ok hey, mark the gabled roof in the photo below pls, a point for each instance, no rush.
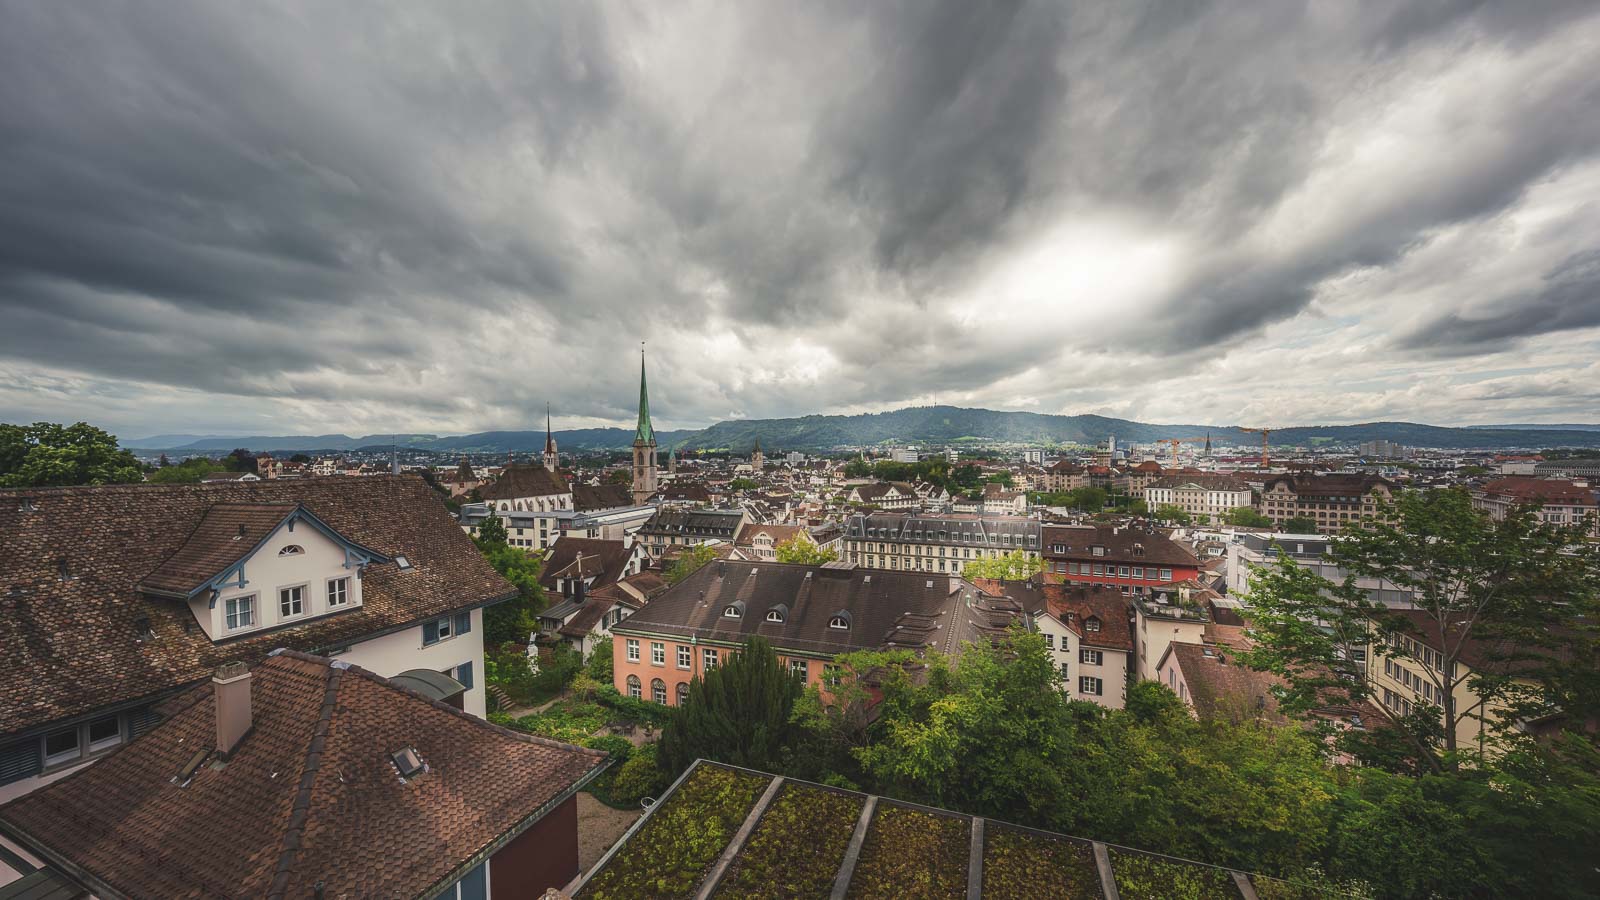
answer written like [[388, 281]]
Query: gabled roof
[[590, 498], [605, 561], [309, 795], [778, 534], [524, 481], [1072, 605], [228, 534], [1122, 543], [72, 645]]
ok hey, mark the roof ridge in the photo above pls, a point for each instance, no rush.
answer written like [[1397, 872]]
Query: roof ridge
[[293, 834]]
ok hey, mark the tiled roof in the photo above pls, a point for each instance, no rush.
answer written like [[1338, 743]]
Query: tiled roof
[[1122, 544], [695, 522], [577, 557], [524, 481], [886, 608], [227, 533], [1205, 482], [1329, 485], [778, 533], [1072, 604], [309, 795], [73, 645], [1220, 687], [590, 498], [1541, 490]]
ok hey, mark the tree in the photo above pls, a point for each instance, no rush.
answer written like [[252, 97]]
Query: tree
[[689, 562], [1001, 478], [1087, 499], [599, 664], [620, 476], [46, 454], [1166, 512], [743, 484], [1520, 587], [1247, 517], [299, 458], [1300, 525], [1014, 566], [737, 713], [189, 471], [240, 460], [515, 619], [804, 551]]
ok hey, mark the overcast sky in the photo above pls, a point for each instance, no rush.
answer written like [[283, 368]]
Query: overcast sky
[[286, 218]]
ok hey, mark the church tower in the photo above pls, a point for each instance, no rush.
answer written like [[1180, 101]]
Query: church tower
[[552, 460], [757, 458], [644, 444]]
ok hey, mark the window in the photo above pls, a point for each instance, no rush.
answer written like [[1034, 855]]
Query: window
[[658, 691], [634, 690], [463, 674], [1089, 657], [1089, 685], [291, 601], [292, 550], [241, 612], [1122, 571], [798, 667], [1091, 624], [838, 622], [1050, 641], [338, 591], [103, 733], [1063, 671], [633, 650], [683, 693], [1099, 569], [774, 615], [1166, 574], [732, 612], [658, 653], [709, 658], [61, 746], [685, 657], [830, 675], [1138, 571], [1099, 551]]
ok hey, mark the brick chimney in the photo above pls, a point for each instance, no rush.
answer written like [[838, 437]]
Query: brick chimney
[[230, 687]]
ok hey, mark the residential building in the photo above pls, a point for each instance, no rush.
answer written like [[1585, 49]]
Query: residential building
[[117, 597], [1561, 501], [1088, 631], [935, 543], [578, 564], [1135, 560], [760, 542], [886, 495], [809, 614], [1248, 551], [462, 480], [1381, 449], [311, 777], [1064, 475], [671, 529], [1331, 501], [1206, 498], [1162, 620], [592, 511]]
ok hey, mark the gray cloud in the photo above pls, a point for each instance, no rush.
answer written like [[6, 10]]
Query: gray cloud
[[429, 217]]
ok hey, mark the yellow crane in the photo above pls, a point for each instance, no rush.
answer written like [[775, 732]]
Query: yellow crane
[[1174, 442], [1264, 432]]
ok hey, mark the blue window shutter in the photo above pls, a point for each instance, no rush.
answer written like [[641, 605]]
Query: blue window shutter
[[430, 632], [464, 675], [463, 622]]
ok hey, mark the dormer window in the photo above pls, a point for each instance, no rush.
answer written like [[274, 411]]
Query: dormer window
[[734, 610], [241, 612], [774, 615], [1091, 624], [840, 620], [292, 550], [1099, 551]]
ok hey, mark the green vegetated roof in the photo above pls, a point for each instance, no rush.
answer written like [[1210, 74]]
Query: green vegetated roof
[[799, 839]]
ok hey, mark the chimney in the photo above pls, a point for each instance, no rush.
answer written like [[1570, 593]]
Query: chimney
[[230, 687]]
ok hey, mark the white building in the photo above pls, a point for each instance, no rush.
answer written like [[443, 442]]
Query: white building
[[1206, 498]]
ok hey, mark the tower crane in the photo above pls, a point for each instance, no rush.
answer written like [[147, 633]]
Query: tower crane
[[1174, 442], [1264, 432]]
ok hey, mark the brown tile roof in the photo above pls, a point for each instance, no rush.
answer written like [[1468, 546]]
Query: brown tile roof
[[524, 481], [1541, 490], [1121, 543], [1072, 605], [73, 646], [778, 533], [1219, 687], [1330, 485], [606, 561], [227, 533], [309, 795], [885, 608], [590, 497]]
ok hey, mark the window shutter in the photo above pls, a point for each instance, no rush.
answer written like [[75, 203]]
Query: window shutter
[[142, 720], [463, 622], [464, 675], [20, 760], [430, 632]]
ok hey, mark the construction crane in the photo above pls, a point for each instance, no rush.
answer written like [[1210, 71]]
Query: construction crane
[[1264, 432], [1175, 442]]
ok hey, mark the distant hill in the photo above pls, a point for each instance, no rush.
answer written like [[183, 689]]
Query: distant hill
[[1537, 427], [925, 425], [941, 425]]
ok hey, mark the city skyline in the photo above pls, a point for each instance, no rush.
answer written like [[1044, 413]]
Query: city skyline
[[280, 219]]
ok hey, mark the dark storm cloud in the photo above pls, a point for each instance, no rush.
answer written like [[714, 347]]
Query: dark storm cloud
[[382, 210]]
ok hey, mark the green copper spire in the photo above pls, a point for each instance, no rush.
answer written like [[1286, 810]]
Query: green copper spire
[[644, 434]]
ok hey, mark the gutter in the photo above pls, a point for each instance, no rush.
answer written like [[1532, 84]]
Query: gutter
[[77, 873]]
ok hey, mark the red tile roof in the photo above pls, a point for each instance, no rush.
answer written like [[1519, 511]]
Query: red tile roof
[[309, 795], [1541, 490], [73, 645]]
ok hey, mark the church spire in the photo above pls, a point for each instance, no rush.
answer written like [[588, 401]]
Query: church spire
[[644, 434], [551, 460]]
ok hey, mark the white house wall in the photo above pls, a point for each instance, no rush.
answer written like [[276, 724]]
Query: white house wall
[[401, 651]]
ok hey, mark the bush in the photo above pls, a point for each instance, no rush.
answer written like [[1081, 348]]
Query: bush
[[632, 709], [599, 665], [639, 777], [567, 721], [619, 747]]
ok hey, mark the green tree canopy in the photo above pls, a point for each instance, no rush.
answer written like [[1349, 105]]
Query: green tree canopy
[[1300, 525], [189, 471], [515, 619], [1166, 512], [737, 712], [45, 454], [804, 551], [689, 561], [1247, 517], [1014, 566]]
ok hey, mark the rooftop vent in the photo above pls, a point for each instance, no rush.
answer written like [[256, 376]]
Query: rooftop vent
[[408, 762], [240, 535], [64, 569], [142, 630], [402, 562], [26, 504]]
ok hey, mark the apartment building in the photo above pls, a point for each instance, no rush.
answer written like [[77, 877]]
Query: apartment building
[[1134, 560], [1206, 498], [1561, 501], [935, 543], [672, 528], [1249, 551], [1088, 631], [1331, 501]]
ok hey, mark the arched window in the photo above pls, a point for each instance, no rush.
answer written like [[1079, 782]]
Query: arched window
[[838, 622], [658, 691], [774, 615], [520, 506], [683, 693], [734, 610], [292, 550], [633, 687]]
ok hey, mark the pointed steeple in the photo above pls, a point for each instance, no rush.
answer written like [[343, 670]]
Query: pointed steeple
[[644, 434], [549, 436]]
